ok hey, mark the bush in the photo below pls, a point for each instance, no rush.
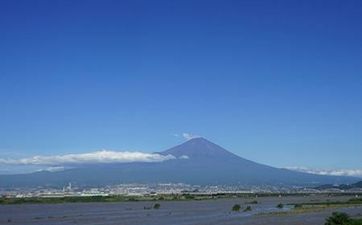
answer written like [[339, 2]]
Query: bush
[[253, 202], [356, 222], [156, 206], [355, 200], [338, 218], [188, 197], [248, 208], [236, 208]]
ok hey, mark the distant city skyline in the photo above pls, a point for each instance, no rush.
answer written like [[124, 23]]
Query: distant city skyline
[[278, 84]]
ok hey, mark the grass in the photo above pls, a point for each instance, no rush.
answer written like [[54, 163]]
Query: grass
[[300, 208], [125, 198], [162, 197], [112, 198], [105, 199], [252, 202], [38, 200], [328, 204]]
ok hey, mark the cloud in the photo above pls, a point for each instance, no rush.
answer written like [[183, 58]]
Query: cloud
[[103, 156], [189, 136], [184, 157], [332, 172], [53, 169]]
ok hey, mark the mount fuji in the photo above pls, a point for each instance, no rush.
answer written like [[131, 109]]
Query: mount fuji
[[197, 161]]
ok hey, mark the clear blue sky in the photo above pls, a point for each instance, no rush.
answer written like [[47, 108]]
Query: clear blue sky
[[278, 82]]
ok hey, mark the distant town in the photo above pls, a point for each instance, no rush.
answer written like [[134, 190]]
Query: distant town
[[71, 190]]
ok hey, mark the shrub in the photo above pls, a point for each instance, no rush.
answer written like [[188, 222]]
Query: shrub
[[338, 218], [188, 197], [236, 208], [355, 200], [156, 206], [356, 222], [253, 202], [248, 208]]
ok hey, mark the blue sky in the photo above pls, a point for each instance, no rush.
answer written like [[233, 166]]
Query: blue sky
[[278, 82]]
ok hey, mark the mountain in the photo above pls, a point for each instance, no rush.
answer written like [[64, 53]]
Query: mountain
[[200, 148], [197, 161]]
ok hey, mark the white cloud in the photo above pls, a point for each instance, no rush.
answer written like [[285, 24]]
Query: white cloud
[[53, 169], [103, 156], [333, 172], [189, 136], [184, 157]]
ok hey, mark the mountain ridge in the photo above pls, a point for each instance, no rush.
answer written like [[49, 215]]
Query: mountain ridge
[[197, 161]]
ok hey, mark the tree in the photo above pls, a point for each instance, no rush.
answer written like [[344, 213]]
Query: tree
[[156, 206], [236, 208], [338, 218]]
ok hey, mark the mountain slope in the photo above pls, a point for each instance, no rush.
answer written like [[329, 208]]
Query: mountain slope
[[198, 161]]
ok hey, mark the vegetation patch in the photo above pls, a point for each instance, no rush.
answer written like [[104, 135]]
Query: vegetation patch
[[352, 201], [236, 208], [318, 206], [247, 209], [156, 206], [340, 218], [252, 202]]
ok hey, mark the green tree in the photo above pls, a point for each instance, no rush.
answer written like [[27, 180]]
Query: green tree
[[338, 218], [236, 208], [156, 206]]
